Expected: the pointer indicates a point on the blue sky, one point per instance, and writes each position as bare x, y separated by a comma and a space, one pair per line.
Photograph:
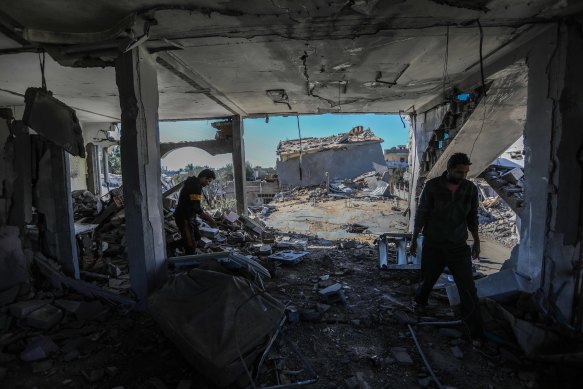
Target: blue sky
261, 138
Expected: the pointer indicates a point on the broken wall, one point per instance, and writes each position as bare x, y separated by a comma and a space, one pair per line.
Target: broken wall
421, 127
78, 172
344, 163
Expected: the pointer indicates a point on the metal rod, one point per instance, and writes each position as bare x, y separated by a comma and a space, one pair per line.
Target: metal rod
439, 385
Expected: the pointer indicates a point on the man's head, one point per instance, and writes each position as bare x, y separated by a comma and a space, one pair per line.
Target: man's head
458, 167
206, 177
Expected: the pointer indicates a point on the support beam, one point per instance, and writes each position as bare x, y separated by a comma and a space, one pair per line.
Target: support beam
21, 211
140, 165
239, 165
105, 167
92, 160
61, 223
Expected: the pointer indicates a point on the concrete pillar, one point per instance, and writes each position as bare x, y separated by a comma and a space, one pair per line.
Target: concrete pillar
92, 160
21, 210
105, 153
140, 165
62, 224
537, 146
239, 165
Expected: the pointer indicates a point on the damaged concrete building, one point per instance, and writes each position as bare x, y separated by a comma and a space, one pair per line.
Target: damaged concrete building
313, 161
467, 76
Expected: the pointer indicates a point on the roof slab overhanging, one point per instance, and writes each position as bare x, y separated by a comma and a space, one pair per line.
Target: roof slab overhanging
219, 58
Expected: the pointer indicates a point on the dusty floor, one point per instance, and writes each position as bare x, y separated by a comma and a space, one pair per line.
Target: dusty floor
349, 345
327, 218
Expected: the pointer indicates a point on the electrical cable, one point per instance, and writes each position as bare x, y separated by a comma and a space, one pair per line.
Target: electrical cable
484, 94
446, 58
300, 136
42, 61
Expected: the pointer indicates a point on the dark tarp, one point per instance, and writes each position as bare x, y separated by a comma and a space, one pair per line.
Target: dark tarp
210, 315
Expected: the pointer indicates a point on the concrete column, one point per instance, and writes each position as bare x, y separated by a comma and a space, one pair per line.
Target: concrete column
21, 211
239, 165
62, 224
105, 153
558, 155
537, 146
92, 160
140, 165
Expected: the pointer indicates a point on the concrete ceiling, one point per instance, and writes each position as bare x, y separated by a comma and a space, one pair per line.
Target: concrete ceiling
328, 56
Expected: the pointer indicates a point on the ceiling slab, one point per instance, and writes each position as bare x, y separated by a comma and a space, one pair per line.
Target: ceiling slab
313, 56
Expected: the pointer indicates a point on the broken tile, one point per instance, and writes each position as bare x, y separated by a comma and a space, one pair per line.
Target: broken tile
45, 317
39, 348
24, 308
401, 355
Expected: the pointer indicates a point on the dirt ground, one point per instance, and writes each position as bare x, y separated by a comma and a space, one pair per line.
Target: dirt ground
349, 344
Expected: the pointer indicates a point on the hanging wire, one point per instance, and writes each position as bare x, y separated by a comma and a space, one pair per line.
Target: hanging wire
446, 59
300, 136
42, 60
485, 96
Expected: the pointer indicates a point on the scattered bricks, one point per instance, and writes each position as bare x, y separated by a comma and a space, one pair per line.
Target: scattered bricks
450, 333
24, 308
333, 293
39, 348
206, 241
292, 314
402, 356
455, 350
45, 317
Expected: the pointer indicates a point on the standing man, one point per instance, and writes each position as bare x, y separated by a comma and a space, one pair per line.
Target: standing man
189, 207
447, 209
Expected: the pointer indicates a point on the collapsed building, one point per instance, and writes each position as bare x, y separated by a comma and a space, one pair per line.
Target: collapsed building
466, 76
313, 161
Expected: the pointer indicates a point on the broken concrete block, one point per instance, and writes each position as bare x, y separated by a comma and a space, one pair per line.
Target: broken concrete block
70, 306
332, 289
288, 257
401, 355
231, 217
39, 348
457, 352
310, 315
514, 175
292, 314
265, 249
24, 308
45, 317
206, 241
209, 232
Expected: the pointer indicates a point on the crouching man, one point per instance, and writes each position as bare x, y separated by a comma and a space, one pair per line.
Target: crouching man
448, 208
189, 206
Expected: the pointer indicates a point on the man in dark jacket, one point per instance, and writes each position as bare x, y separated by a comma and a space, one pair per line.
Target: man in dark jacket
189, 206
447, 209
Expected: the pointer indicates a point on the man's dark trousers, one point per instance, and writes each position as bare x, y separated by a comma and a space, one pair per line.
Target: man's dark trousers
459, 261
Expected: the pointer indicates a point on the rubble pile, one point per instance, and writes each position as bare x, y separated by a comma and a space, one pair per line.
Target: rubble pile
498, 222
508, 183
85, 204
